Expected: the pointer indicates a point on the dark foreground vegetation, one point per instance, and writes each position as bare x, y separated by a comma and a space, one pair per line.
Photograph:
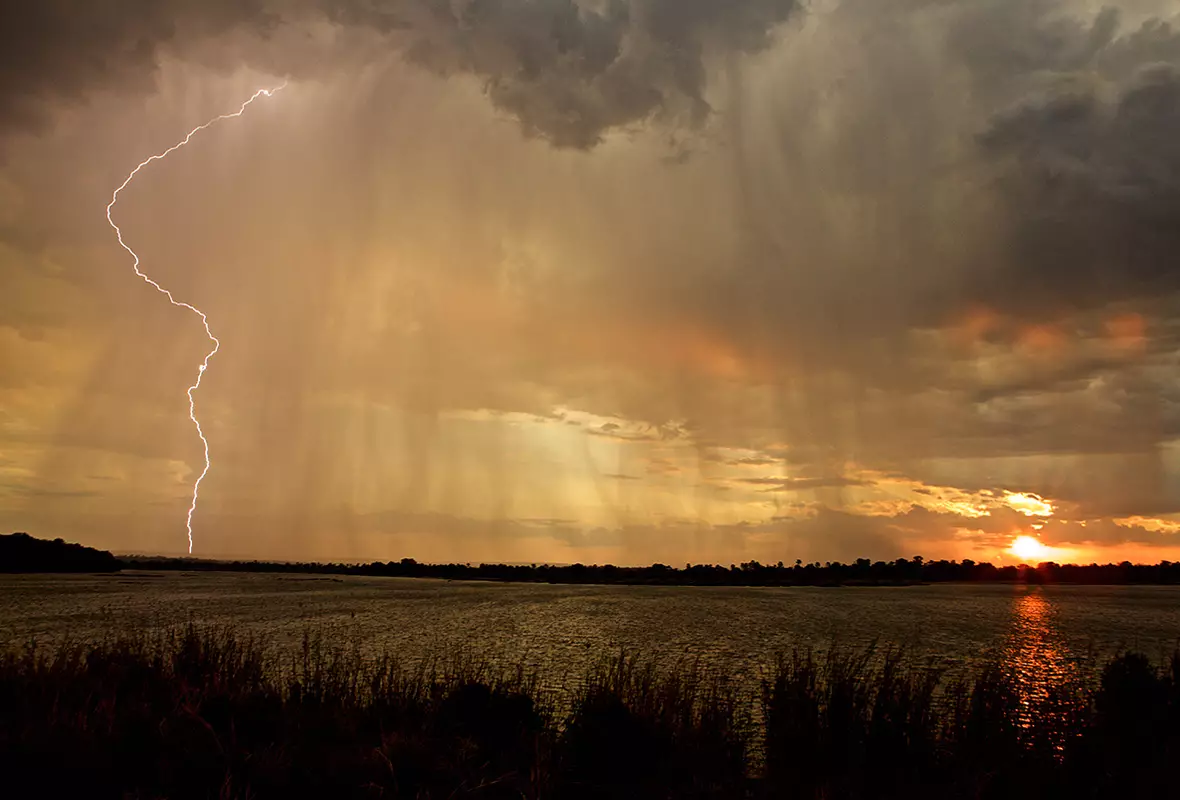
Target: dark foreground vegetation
199, 713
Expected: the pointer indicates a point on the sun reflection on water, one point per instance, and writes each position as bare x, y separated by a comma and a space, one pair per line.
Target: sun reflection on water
1043, 670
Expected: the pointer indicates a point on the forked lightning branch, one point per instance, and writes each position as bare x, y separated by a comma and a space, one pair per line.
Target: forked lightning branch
204, 365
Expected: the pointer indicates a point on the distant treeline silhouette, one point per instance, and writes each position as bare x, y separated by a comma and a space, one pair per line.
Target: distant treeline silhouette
862, 572
20, 552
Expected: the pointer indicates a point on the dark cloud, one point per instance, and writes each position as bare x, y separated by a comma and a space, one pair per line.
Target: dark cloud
1007, 43
568, 70
1092, 176
1019, 154
55, 50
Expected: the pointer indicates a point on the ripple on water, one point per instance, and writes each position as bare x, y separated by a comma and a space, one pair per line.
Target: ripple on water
561, 631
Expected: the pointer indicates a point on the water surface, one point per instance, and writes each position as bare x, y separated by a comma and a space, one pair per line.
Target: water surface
562, 630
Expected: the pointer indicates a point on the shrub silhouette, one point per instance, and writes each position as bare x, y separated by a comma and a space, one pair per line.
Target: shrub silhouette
638, 732
213, 713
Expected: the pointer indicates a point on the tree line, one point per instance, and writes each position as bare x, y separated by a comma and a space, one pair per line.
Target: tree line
862, 572
20, 552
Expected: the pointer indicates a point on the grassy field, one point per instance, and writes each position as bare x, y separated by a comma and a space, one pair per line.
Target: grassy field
213, 713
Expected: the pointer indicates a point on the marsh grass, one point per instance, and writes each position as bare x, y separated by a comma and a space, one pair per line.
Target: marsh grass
636, 730
208, 712
868, 724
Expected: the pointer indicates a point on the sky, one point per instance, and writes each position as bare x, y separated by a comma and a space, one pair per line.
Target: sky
595, 280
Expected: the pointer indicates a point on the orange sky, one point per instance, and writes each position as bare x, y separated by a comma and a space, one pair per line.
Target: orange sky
743, 281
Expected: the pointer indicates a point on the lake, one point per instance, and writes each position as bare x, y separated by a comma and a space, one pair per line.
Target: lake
562, 630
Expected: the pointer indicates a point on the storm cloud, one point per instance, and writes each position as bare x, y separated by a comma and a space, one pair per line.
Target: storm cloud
1092, 179
64, 50
568, 70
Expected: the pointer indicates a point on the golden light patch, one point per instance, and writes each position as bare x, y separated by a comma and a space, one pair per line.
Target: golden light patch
707, 351
967, 509
1127, 331
1152, 524
1029, 504
883, 508
892, 495
649, 345
978, 323
1042, 338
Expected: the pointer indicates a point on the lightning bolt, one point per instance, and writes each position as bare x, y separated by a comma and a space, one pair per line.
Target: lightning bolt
192, 405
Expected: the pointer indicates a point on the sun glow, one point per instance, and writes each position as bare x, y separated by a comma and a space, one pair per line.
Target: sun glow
1029, 549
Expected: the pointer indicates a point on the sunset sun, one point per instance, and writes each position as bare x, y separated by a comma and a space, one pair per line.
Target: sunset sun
1028, 549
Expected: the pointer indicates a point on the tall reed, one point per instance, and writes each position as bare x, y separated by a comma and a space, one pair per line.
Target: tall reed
212, 712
